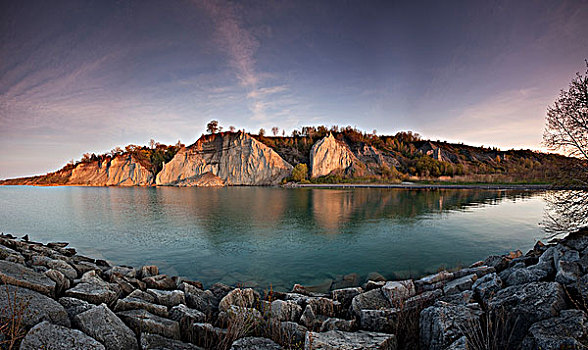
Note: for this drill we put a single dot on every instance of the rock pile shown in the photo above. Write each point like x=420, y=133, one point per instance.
x=61, y=300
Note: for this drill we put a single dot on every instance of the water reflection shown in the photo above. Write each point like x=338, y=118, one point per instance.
x=566, y=211
x=275, y=235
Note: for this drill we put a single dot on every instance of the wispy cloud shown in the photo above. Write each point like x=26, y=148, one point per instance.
x=241, y=46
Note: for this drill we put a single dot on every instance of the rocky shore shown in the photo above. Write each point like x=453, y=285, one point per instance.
x=53, y=298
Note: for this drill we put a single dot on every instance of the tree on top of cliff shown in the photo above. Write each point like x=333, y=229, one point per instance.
x=212, y=127
x=567, y=119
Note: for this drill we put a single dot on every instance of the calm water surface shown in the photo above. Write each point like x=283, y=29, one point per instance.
x=260, y=236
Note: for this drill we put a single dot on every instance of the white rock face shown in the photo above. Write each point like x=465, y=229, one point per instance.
x=328, y=155
x=231, y=159
x=120, y=171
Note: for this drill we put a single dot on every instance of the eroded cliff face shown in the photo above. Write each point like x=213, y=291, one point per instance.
x=330, y=155
x=226, y=158
x=119, y=171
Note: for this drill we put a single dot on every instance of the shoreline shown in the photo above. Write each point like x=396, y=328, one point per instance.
x=406, y=186
x=141, y=307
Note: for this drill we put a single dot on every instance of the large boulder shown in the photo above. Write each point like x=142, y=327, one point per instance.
x=103, y=325
x=55, y=264
x=398, y=291
x=285, y=310
x=444, y=323
x=372, y=300
x=346, y=295
x=486, y=287
x=518, y=307
x=157, y=342
x=238, y=297
x=459, y=285
x=49, y=336
x=94, y=289
x=567, y=331
x=143, y=321
x=339, y=340
x=337, y=324
x=202, y=300
x=19, y=275
x=74, y=306
x=34, y=307
x=133, y=303
x=160, y=282
x=382, y=320
x=168, y=298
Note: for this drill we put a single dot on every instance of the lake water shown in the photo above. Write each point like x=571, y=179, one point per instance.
x=260, y=236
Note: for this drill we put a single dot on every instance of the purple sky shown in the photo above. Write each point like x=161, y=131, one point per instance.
x=86, y=76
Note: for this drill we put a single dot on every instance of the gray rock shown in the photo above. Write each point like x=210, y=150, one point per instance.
x=168, y=298
x=292, y=334
x=184, y=314
x=398, y=291
x=339, y=340
x=440, y=276
x=61, y=282
x=523, y=275
x=345, y=295
x=206, y=335
x=444, y=323
x=568, y=272
x=130, y=303
x=199, y=299
x=253, y=343
x=35, y=307
x=459, y=344
x=337, y=324
x=160, y=282
x=11, y=255
x=464, y=298
x=520, y=306
x=19, y=275
x=383, y=320
x=56, y=264
x=142, y=321
x=238, y=297
x=285, y=310
x=103, y=325
x=74, y=306
x=48, y=336
x=123, y=283
x=583, y=287
x=139, y=294
x=157, y=342
x=423, y=300
x=372, y=300
x=148, y=271
x=486, y=287
x=370, y=285
x=311, y=320
x=324, y=306
x=460, y=284
x=93, y=293
x=564, y=332
x=125, y=271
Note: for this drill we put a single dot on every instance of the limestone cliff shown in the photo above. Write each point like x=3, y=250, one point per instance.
x=122, y=170
x=330, y=155
x=227, y=158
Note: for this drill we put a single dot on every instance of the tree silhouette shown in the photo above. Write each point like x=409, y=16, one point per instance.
x=212, y=127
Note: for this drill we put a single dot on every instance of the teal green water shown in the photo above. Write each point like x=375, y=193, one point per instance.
x=260, y=236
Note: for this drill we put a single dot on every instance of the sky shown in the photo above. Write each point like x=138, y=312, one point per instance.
x=86, y=76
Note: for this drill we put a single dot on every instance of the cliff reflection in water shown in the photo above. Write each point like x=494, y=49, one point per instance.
x=268, y=235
